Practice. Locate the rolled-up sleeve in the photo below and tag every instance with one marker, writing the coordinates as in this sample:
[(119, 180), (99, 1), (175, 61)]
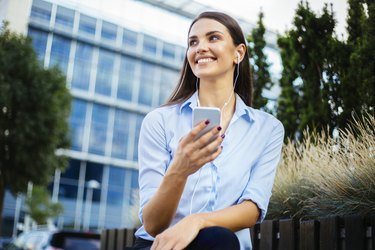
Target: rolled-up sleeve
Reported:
[(153, 157), (262, 174)]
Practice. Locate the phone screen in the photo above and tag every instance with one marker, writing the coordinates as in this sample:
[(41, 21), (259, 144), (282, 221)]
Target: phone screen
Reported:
[(206, 113)]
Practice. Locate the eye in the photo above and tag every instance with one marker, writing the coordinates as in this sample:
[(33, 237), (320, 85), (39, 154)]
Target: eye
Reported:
[(214, 38), (193, 42)]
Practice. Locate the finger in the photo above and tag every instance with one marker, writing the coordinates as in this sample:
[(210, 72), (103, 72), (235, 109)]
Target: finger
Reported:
[(155, 244), (211, 156), (195, 131), (208, 137)]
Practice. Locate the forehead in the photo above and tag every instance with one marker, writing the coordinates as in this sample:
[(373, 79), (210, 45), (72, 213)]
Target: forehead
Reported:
[(204, 25)]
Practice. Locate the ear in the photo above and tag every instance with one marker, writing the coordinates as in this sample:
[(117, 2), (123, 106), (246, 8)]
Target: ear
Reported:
[(240, 53)]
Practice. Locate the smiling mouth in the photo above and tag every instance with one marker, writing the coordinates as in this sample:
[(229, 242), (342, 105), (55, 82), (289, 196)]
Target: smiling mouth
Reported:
[(204, 60)]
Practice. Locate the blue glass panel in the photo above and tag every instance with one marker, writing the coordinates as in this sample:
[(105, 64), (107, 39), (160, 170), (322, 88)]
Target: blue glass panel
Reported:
[(72, 171), (39, 40), (168, 82), (121, 134), (94, 171), (149, 45), (64, 18), (168, 51), (129, 39), (136, 139), (109, 31), (68, 191), (115, 193), (147, 83), (98, 131), (87, 25), (82, 66), (77, 123), (41, 11), (126, 78), (60, 53), (104, 73)]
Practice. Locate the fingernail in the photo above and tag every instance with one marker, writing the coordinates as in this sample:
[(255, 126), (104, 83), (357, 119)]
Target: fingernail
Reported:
[(222, 136), (207, 122), (219, 128)]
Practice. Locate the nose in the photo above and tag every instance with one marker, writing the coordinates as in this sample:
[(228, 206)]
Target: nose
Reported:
[(201, 47)]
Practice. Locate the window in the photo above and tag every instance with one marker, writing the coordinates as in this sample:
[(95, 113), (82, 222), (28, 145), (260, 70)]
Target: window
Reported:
[(149, 45), (69, 180), (94, 171), (104, 73), (39, 40), (126, 78), (168, 82), (98, 132), (41, 11), (87, 25), (136, 139), (121, 134), (60, 53), (109, 32), (116, 186), (129, 40), (82, 66), (77, 123), (64, 18), (146, 88), (168, 51)]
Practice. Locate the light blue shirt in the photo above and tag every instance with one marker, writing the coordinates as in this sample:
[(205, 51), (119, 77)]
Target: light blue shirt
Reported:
[(244, 170)]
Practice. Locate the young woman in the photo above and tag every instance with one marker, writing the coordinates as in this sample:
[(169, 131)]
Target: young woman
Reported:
[(205, 193)]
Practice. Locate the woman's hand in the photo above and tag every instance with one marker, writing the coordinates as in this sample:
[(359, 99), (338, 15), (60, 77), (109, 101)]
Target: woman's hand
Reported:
[(193, 153), (180, 235)]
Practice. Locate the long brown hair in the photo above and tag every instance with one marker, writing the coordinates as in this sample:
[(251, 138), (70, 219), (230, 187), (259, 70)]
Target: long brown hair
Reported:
[(244, 87)]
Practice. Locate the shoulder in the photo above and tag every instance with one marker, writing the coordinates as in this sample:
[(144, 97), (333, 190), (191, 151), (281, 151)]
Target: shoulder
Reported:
[(160, 114), (265, 120)]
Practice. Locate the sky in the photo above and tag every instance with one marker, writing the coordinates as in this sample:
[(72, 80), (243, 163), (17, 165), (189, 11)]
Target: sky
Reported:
[(278, 14)]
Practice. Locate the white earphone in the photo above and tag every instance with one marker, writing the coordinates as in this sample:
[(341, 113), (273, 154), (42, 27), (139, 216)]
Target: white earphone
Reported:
[(238, 57)]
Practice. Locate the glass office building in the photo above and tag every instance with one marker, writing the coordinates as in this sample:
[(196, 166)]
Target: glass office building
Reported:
[(115, 75)]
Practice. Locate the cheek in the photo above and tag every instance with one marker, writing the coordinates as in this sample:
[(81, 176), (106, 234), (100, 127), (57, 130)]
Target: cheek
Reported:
[(190, 56)]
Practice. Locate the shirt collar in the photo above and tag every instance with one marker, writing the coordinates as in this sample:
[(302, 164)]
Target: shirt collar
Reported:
[(241, 108)]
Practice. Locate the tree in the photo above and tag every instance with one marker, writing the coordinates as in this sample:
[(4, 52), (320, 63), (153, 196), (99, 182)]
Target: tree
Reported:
[(308, 45), (260, 65), (353, 65), (289, 98), (324, 79), (39, 206), (34, 110)]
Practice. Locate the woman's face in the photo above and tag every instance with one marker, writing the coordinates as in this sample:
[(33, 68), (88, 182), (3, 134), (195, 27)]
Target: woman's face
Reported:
[(211, 53)]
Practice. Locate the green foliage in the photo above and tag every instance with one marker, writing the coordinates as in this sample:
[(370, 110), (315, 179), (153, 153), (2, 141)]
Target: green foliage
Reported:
[(34, 110), (260, 65), (324, 79), (40, 207), (325, 175)]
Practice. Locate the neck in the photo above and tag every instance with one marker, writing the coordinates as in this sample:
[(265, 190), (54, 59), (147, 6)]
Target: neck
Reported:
[(216, 93)]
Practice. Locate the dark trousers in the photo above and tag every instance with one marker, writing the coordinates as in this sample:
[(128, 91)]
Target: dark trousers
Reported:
[(212, 238)]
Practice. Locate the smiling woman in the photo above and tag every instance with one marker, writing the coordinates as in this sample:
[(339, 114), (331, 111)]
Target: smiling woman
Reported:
[(205, 192)]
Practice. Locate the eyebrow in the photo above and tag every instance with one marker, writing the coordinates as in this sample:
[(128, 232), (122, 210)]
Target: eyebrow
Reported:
[(207, 34)]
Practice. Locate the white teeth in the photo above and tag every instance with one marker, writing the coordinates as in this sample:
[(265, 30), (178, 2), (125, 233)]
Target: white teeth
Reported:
[(205, 60)]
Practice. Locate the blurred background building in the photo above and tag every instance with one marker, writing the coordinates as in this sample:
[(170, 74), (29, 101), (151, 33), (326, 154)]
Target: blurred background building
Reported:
[(121, 59)]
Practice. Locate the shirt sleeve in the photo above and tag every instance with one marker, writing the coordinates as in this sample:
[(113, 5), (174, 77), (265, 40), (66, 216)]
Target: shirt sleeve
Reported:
[(153, 157), (262, 175)]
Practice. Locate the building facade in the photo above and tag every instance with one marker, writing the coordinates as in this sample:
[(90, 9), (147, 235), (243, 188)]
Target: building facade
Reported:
[(116, 74)]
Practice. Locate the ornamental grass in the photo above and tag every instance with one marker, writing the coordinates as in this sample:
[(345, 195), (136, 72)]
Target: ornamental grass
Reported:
[(327, 176)]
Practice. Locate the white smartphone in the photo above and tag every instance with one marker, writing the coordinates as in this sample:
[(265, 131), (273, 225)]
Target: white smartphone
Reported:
[(206, 113)]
